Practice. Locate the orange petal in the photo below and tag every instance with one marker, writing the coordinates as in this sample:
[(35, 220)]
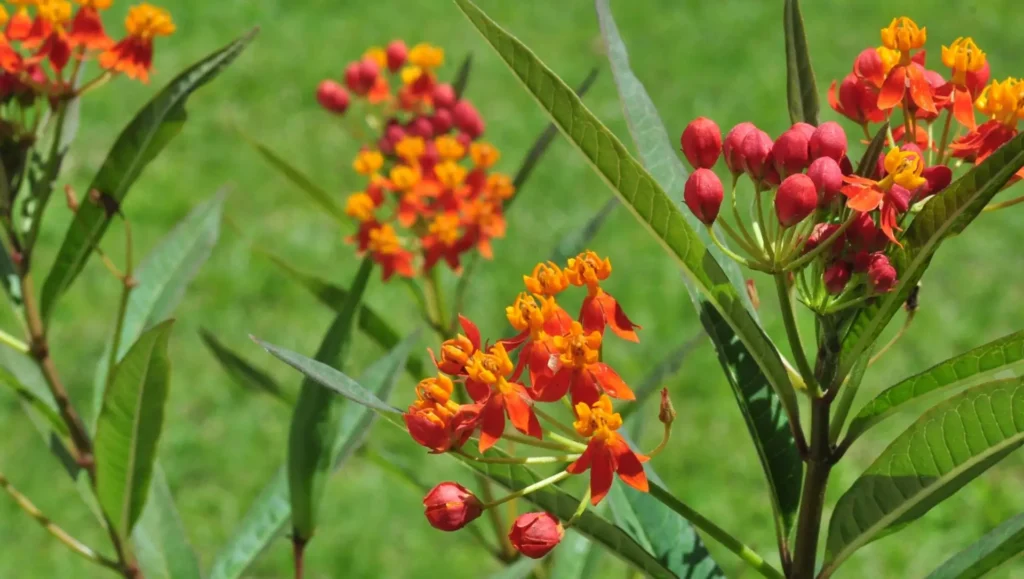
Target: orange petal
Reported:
[(583, 462), (492, 423), (893, 88), (963, 108), (628, 466), (866, 199), (472, 332), (610, 382), (620, 322), (920, 90), (833, 100), (521, 413), (602, 470)]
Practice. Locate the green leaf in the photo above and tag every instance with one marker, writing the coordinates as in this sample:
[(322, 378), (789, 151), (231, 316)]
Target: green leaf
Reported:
[(9, 278), (662, 532), (333, 296), (945, 215), (139, 143), (163, 276), (801, 89), (576, 557), (640, 192), (240, 370), (521, 569), (561, 504), (997, 547), (316, 193), (946, 448), (761, 408), (327, 376), (969, 367), (271, 510), (868, 165), (316, 419), (159, 539), (43, 405), (577, 240), (462, 76), (129, 428)]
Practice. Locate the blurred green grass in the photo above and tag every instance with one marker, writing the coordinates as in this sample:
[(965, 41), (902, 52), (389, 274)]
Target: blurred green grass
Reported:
[(723, 60)]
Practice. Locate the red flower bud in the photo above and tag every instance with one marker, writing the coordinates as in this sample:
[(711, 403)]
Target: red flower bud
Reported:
[(790, 151), (828, 140), (861, 261), (938, 177), (732, 147), (702, 143), (352, 78), (444, 96), (820, 233), (856, 99), (881, 273), (806, 129), (441, 120), (756, 150), (332, 96), (467, 119), (836, 277), (394, 131), (868, 66), (396, 53), (535, 534), (795, 200), (449, 506), (900, 198), (369, 70), (703, 195), (864, 234), (827, 177), (420, 127)]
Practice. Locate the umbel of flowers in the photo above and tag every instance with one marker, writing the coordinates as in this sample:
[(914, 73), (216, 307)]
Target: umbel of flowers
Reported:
[(834, 229), (430, 193), (479, 389)]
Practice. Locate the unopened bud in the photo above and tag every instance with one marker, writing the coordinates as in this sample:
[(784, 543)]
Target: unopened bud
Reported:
[(702, 143), (795, 200), (828, 140), (450, 506), (396, 55), (332, 96), (443, 96), (536, 534), (732, 147), (756, 150), (881, 273), (467, 119), (72, 199), (836, 277), (755, 299), (666, 412), (827, 177), (791, 151), (703, 194)]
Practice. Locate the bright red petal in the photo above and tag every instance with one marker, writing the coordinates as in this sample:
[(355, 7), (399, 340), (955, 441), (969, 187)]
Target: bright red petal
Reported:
[(620, 322), (478, 391), (863, 199), (833, 99), (583, 388), (628, 465), (610, 381), (521, 413), (893, 88), (920, 90), (583, 462), (602, 470), (551, 388), (472, 332), (492, 423), (591, 315)]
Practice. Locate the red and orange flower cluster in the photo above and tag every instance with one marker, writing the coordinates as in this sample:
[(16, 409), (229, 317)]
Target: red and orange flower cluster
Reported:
[(59, 33), (556, 357), (430, 186), (830, 221)]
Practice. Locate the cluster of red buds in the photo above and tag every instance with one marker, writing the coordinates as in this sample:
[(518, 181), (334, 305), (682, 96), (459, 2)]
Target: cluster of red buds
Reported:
[(832, 227), (558, 358), (43, 37), (427, 172)]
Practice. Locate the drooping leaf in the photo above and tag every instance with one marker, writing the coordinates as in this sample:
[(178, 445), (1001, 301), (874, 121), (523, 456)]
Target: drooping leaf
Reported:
[(317, 416), (317, 194), (241, 371), (561, 504), (163, 276), (578, 239), (43, 405), (801, 90), (129, 427), (761, 408), (973, 366), (326, 376), (949, 446), (333, 296), (160, 542), (271, 510), (640, 192), (462, 76), (945, 215), (139, 143), (992, 550), (663, 533)]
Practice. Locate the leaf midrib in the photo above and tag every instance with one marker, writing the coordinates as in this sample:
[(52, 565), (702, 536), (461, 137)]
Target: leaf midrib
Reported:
[(132, 455)]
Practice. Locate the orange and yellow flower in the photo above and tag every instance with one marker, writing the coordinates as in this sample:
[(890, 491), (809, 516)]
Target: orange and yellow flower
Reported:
[(133, 55), (892, 195), (607, 453), (906, 76), (487, 384)]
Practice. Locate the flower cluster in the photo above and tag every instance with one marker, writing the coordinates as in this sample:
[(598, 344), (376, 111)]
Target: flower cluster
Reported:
[(43, 37), (430, 189), (835, 227), (557, 357)]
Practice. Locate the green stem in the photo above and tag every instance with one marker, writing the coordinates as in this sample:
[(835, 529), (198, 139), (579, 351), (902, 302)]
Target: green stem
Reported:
[(812, 502), (519, 460), (733, 255), (945, 135), (13, 343), (842, 305), (822, 247), (435, 303), (54, 530), (1004, 204), (739, 220), (530, 441), (572, 444), (745, 553), (46, 192), (508, 551), (555, 478), (762, 223), (793, 333), (127, 284), (750, 247), (582, 508), (568, 430)]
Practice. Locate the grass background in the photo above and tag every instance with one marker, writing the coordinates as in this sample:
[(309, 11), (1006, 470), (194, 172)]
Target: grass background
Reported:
[(724, 60)]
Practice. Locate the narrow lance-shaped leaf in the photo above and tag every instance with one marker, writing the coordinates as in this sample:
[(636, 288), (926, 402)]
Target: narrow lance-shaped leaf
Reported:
[(949, 446), (241, 371), (334, 296), (43, 405), (641, 193), (972, 366), (317, 417), (271, 510), (139, 143), (163, 276), (992, 550), (462, 76), (801, 90), (767, 424), (947, 214), (129, 428), (316, 193), (868, 165), (161, 546)]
